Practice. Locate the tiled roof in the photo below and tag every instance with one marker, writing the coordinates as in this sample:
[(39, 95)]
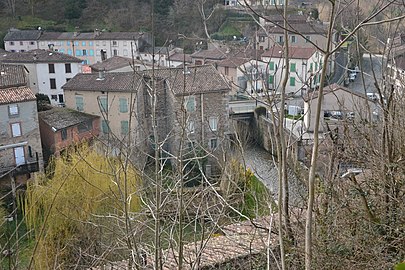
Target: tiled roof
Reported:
[(232, 62), (90, 36), (114, 81), (12, 75), (192, 80), (112, 63), (294, 52), (303, 28), (60, 118), (158, 50), (16, 94), (400, 62), (199, 79), (21, 35), (38, 56), (216, 53), (180, 57)]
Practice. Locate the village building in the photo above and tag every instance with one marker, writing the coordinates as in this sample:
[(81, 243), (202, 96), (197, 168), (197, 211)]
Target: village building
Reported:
[(48, 71), (62, 127), (120, 64), (20, 142), (90, 47)]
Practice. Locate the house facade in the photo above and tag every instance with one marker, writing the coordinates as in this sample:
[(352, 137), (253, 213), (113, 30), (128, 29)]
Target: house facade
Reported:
[(63, 127), (90, 47), (120, 64), (191, 107), (20, 148), (305, 65), (48, 71)]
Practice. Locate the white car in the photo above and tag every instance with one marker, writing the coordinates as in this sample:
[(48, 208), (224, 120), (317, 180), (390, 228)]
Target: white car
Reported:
[(352, 76)]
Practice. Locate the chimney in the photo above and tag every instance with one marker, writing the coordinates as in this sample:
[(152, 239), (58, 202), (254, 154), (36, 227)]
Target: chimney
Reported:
[(101, 75), (96, 32), (76, 32)]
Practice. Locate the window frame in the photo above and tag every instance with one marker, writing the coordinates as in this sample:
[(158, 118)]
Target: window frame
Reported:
[(187, 100), (123, 105), (68, 68), (11, 113), (52, 83), (213, 143), (124, 128), (51, 68), (79, 105), (213, 123), (103, 103), (19, 133), (63, 134)]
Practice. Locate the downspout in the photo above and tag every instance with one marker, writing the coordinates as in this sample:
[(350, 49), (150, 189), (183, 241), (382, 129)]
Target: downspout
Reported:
[(202, 117)]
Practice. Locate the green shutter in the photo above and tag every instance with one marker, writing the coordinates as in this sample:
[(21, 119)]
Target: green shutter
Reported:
[(311, 67), (316, 66), (292, 67), (104, 126), (123, 105), (292, 81), (79, 103), (103, 104), (124, 127), (190, 104), (271, 79), (271, 66)]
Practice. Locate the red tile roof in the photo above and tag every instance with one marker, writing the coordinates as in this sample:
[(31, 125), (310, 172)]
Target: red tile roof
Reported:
[(294, 52), (16, 94)]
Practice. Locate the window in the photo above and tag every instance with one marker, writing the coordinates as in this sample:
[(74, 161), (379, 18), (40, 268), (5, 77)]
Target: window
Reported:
[(22, 50), (63, 133), (53, 83), (69, 51), (54, 97), (68, 43), (21, 43), (115, 52), (281, 39), (13, 110), (190, 127), (11, 42), (311, 67), (79, 103), (261, 38), (125, 52), (90, 43), (190, 103), (124, 127), (68, 79), (32, 42), (78, 53), (271, 79), (76, 43), (123, 105), (307, 39), (316, 66), (115, 43), (293, 39), (83, 43), (103, 104), (293, 67), (84, 52), (85, 126), (51, 68), (292, 81), (213, 121), (105, 126), (61, 99), (15, 129), (227, 71), (62, 50), (271, 65), (68, 68), (213, 143), (91, 52)]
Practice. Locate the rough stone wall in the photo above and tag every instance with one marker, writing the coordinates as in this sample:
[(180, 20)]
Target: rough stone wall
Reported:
[(28, 119)]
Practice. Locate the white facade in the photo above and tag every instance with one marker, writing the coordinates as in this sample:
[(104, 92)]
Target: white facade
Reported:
[(20, 46), (40, 79), (303, 73)]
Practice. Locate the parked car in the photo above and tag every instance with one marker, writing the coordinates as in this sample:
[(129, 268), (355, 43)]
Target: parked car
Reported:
[(352, 76)]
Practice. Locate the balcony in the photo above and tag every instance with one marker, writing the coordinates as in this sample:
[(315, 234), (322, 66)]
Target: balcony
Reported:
[(26, 168)]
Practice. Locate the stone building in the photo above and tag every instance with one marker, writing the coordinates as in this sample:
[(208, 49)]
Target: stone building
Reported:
[(189, 105), (63, 127), (20, 142)]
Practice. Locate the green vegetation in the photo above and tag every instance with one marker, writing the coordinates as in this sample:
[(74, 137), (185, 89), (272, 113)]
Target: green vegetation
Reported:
[(72, 207)]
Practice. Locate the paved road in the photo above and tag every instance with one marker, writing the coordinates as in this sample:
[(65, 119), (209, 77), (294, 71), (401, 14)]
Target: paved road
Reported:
[(368, 66), (340, 66)]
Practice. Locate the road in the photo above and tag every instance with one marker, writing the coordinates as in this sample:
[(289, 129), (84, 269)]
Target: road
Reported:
[(368, 67)]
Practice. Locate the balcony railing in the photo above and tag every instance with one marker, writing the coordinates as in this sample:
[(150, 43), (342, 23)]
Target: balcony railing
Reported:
[(28, 167)]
